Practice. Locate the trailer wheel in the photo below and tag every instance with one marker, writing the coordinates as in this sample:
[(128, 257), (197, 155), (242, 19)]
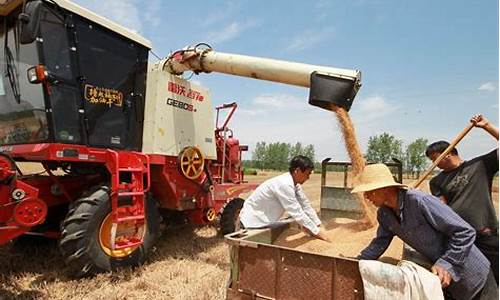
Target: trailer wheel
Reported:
[(87, 225), (230, 217)]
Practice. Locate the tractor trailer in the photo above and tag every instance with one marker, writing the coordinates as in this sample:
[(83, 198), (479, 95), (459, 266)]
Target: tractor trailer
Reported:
[(124, 143)]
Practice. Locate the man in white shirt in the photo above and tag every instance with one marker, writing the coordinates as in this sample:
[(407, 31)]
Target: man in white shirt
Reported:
[(280, 194)]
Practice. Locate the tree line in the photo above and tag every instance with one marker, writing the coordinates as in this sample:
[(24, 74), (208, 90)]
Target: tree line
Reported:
[(384, 147), (277, 156), (381, 148)]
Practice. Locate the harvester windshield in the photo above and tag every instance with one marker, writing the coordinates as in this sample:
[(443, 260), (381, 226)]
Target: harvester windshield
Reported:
[(22, 109), (67, 79)]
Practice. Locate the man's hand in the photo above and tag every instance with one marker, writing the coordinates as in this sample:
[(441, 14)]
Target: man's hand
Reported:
[(444, 276), (479, 121), (323, 236), (306, 230)]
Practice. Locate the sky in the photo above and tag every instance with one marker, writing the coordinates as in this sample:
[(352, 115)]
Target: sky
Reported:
[(427, 66)]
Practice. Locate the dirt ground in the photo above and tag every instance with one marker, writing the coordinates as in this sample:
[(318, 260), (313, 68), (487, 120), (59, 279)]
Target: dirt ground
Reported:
[(187, 263)]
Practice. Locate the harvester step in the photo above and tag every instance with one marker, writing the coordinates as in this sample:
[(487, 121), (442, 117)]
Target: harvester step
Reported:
[(130, 169), (124, 194), (131, 218), (127, 245)]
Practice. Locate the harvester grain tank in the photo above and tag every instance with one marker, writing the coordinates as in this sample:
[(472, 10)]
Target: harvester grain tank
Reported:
[(122, 142)]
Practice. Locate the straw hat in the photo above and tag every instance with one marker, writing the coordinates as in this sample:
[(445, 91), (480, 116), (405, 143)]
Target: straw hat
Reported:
[(374, 177)]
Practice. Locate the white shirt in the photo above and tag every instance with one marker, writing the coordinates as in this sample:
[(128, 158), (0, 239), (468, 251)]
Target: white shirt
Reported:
[(274, 197)]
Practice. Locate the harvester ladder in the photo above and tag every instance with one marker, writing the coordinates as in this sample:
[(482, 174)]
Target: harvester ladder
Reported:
[(133, 193), (224, 129)]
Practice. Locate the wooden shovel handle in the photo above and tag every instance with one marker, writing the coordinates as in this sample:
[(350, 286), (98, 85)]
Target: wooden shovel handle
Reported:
[(459, 137)]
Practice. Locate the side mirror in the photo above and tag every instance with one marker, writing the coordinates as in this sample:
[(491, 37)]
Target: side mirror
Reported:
[(30, 22)]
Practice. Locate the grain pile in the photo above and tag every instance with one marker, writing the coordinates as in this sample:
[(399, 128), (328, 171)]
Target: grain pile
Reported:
[(348, 240)]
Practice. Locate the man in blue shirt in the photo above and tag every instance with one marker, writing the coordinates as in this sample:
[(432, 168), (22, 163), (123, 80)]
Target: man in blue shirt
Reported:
[(431, 228)]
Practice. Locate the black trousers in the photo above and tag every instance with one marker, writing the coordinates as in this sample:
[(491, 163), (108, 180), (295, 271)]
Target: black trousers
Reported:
[(488, 244), (489, 291)]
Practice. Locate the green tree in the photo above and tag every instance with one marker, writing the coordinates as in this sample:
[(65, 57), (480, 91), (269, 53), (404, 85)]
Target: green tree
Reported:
[(415, 159), (259, 155), (296, 149), (309, 152), (382, 148), (277, 156)]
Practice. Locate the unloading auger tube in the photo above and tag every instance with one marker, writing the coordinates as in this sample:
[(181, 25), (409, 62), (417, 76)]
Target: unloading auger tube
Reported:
[(327, 85)]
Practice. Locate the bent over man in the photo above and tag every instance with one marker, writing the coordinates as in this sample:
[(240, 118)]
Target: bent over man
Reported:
[(431, 228), (283, 193)]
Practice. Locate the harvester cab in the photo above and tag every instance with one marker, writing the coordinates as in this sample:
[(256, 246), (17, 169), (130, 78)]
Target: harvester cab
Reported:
[(122, 141), (53, 60)]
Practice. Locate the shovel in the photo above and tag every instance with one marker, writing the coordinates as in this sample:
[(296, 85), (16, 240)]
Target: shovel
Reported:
[(460, 136)]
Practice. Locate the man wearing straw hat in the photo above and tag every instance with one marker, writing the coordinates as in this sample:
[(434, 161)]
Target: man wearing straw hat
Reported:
[(466, 187), (431, 228)]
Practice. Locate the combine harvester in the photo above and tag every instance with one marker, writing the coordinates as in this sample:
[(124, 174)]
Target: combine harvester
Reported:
[(122, 141)]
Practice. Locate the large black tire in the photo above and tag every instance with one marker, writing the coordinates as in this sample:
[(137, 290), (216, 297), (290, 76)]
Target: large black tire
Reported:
[(230, 216), (80, 244)]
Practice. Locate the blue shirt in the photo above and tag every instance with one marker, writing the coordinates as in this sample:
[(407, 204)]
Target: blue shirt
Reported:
[(437, 232)]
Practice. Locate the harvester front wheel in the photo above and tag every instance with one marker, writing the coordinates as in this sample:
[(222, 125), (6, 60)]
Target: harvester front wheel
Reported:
[(83, 230), (230, 217)]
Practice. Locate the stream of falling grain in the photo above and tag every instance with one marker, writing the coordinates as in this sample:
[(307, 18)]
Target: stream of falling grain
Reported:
[(357, 160)]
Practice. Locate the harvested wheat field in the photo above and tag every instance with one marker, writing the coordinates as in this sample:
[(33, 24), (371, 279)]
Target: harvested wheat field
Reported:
[(187, 263)]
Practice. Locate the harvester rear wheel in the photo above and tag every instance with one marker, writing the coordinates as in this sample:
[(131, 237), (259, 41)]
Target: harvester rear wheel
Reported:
[(82, 231), (230, 217)]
